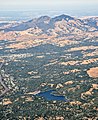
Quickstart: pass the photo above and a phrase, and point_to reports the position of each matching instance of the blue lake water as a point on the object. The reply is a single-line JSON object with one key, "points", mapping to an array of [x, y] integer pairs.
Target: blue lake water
{"points": [[49, 96]]}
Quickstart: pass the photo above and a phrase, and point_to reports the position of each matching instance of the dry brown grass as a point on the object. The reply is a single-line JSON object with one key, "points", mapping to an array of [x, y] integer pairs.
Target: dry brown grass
{"points": [[93, 72]]}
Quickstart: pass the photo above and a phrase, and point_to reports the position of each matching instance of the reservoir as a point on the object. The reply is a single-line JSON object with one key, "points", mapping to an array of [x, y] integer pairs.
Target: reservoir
{"points": [[48, 95]]}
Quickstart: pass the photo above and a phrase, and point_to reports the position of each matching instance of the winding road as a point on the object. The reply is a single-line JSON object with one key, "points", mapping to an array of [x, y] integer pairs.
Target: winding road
{"points": [[2, 82]]}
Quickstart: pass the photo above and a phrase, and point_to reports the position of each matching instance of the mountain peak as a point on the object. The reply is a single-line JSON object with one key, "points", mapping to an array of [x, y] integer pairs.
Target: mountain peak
{"points": [[63, 16], [43, 18]]}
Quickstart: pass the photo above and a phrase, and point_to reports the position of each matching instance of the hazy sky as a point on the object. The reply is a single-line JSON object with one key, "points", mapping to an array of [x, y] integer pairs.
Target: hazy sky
{"points": [[51, 7], [47, 4]]}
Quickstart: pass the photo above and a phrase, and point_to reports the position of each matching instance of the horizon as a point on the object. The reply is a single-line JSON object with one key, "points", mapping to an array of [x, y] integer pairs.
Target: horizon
{"points": [[23, 10], [70, 7], [28, 15]]}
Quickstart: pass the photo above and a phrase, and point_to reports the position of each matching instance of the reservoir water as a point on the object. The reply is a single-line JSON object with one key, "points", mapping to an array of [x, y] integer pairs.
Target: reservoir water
{"points": [[48, 95]]}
